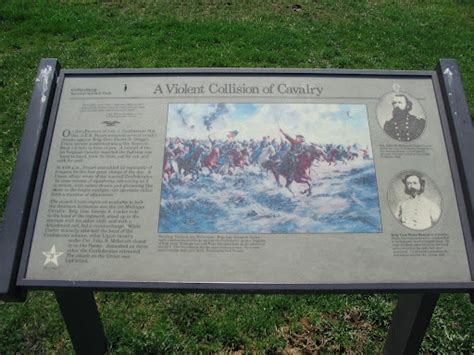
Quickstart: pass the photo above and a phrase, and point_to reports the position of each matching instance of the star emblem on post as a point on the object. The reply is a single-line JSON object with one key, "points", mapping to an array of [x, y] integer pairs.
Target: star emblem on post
{"points": [[52, 256]]}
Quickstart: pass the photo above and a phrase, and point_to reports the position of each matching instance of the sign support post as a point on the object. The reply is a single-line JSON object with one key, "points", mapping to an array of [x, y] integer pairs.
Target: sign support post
{"points": [[82, 319], [411, 318]]}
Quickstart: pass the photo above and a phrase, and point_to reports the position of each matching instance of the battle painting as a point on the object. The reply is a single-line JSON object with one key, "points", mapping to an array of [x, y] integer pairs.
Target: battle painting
{"points": [[268, 168]]}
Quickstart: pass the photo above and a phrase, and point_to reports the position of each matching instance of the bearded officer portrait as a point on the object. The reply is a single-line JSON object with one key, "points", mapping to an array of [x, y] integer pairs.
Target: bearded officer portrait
{"points": [[417, 211], [403, 126]]}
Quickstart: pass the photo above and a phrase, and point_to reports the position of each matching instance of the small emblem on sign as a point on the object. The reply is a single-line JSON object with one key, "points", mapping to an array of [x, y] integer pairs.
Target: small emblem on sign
{"points": [[52, 256], [110, 123]]}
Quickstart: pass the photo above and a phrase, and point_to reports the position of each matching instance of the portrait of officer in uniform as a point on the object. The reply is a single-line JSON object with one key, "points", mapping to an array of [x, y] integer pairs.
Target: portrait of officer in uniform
{"points": [[414, 209], [401, 124]]}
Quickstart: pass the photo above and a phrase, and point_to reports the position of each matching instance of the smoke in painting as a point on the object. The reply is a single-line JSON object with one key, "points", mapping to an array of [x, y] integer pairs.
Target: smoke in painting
{"points": [[268, 168]]}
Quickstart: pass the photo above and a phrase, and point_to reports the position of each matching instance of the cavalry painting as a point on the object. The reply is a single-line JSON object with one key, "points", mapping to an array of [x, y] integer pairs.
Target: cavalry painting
{"points": [[268, 168]]}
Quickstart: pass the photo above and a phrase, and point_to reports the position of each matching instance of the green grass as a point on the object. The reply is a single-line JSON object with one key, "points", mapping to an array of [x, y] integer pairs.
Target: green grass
{"points": [[324, 34]]}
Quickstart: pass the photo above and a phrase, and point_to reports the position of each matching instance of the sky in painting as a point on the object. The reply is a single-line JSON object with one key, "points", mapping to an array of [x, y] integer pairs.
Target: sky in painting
{"points": [[318, 123]]}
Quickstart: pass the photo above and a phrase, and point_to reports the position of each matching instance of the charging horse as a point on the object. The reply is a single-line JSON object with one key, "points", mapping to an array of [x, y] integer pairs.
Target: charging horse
{"points": [[298, 172]]}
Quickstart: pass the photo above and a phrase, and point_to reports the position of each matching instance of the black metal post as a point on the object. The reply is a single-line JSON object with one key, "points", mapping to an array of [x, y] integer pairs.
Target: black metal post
{"points": [[409, 323], [82, 320]]}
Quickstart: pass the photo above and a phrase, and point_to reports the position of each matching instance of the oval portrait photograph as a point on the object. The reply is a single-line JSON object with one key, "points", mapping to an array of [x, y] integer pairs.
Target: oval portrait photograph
{"points": [[401, 116], [415, 200]]}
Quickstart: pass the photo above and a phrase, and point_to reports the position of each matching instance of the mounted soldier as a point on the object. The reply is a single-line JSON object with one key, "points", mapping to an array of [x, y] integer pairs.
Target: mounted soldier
{"points": [[296, 149]]}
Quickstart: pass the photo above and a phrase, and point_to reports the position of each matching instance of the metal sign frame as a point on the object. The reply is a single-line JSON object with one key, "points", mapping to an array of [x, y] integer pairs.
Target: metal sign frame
{"points": [[457, 133]]}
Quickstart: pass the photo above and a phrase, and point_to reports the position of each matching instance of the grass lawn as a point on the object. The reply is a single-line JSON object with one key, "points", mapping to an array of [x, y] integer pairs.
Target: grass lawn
{"points": [[319, 34]]}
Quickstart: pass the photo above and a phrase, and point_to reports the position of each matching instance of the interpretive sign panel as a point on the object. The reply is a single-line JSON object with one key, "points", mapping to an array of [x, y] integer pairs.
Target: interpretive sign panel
{"points": [[273, 178]]}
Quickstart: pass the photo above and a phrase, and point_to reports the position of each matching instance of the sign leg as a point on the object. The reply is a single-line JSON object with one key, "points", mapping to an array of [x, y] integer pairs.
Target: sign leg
{"points": [[82, 320], [410, 321]]}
